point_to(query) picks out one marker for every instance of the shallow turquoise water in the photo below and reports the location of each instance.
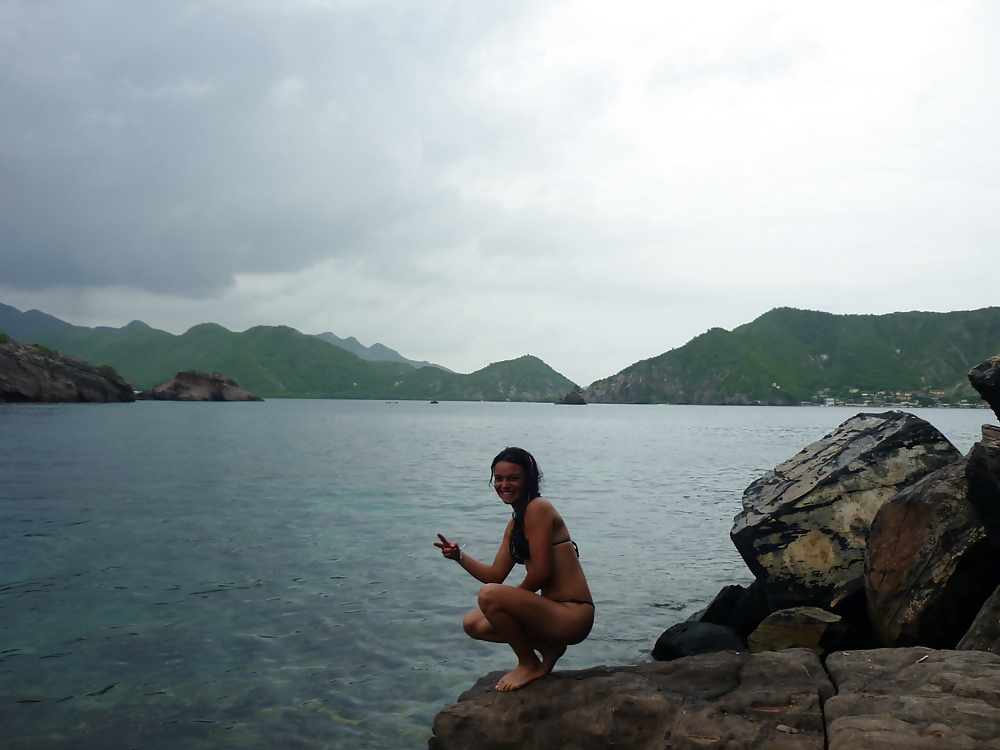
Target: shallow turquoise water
(262, 575)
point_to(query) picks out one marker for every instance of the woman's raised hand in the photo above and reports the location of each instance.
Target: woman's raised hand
(451, 550)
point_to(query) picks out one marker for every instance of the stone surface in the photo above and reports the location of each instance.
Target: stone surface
(929, 566)
(899, 699)
(199, 386)
(984, 634)
(796, 627)
(693, 638)
(983, 478)
(741, 609)
(804, 525)
(36, 374)
(724, 700)
(985, 378)
(573, 398)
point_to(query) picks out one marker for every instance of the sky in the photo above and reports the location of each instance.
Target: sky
(592, 183)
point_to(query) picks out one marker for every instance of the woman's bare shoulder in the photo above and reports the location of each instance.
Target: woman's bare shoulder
(540, 507)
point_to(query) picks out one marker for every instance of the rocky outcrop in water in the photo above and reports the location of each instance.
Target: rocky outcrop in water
(36, 374)
(199, 386)
(929, 566)
(804, 525)
(573, 398)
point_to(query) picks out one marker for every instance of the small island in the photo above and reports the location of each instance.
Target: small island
(193, 385)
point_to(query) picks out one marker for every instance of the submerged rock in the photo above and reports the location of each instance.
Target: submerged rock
(37, 374)
(900, 699)
(741, 609)
(929, 566)
(693, 638)
(804, 525)
(199, 386)
(722, 700)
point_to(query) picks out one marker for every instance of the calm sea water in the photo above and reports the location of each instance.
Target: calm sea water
(263, 575)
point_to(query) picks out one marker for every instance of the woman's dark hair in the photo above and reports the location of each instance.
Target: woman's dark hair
(519, 549)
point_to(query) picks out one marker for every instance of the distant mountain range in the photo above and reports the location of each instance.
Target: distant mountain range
(785, 356)
(277, 361)
(789, 356)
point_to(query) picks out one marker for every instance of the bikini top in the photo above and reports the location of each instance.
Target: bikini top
(564, 541)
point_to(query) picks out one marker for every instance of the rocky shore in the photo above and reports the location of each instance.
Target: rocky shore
(873, 620)
(34, 374)
(198, 386)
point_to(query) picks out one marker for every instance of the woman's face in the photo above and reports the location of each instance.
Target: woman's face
(508, 481)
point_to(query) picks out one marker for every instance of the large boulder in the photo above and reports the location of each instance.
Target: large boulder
(795, 627)
(985, 378)
(984, 634)
(37, 374)
(693, 638)
(983, 477)
(199, 386)
(804, 525)
(722, 700)
(738, 608)
(914, 698)
(929, 566)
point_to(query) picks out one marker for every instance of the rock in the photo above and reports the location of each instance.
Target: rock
(738, 608)
(984, 635)
(804, 525)
(693, 638)
(929, 566)
(722, 700)
(574, 397)
(985, 378)
(901, 699)
(983, 478)
(199, 386)
(37, 374)
(796, 627)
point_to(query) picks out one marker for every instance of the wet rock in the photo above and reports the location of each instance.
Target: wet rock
(738, 608)
(900, 699)
(929, 566)
(984, 635)
(574, 398)
(796, 627)
(804, 525)
(718, 700)
(199, 386)
(983, 477)
(985, 378)
(693, 638)
(37, 374)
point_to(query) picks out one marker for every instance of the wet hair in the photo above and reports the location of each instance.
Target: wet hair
(519, 549)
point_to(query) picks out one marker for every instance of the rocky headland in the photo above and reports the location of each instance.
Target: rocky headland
(198, 386)
(873, 620)
(35, 374)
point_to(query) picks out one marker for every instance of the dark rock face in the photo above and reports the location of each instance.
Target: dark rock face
(985, 378)
(738, 608)
(796, 627)
(34, 374)
(693, 638)
(984, 635)
(574, 398)
(199, 386)
(983, 478)
(804, 525)
(901, 699)
(723, 700)
(929, 566)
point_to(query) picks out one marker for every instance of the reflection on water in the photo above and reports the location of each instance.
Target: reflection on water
(262, 575)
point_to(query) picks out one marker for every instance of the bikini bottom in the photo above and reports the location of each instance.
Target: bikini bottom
(574, 601)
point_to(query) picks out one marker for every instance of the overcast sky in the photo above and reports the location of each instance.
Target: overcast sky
(590, 182)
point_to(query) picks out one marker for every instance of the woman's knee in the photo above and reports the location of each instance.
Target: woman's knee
(476, 625)
(489, 595)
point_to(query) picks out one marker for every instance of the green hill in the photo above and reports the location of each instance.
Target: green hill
(277, 361)
(787, 356)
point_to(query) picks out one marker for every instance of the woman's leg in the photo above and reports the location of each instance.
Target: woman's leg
(528, 621)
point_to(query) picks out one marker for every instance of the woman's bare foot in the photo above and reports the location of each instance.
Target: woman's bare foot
(521, 676)
(550, 655)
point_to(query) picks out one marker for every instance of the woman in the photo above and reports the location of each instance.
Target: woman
(537, 537)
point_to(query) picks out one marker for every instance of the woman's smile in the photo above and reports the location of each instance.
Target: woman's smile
(508, 481)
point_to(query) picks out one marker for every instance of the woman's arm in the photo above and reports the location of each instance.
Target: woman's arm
(503, 563)
(538, 520)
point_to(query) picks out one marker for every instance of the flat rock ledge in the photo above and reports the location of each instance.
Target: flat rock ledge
(890, 699)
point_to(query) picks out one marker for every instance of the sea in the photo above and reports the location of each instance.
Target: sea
(263, 575)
